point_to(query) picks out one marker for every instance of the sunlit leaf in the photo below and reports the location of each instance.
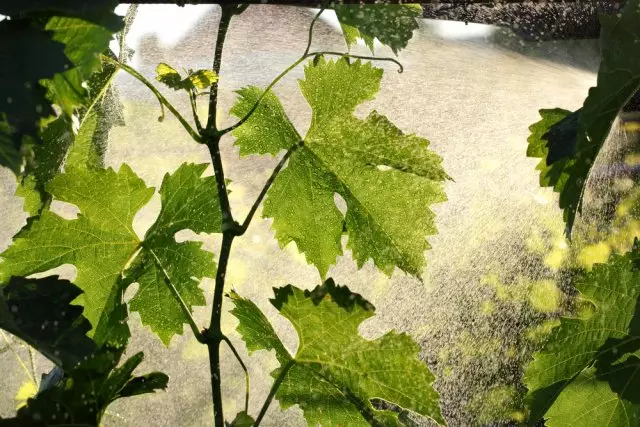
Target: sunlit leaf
(387, 179)
(594, 357)
(189, 202)
(335, 373)
(268, 130)
(200, 79)
(391, 24)
(101, 244)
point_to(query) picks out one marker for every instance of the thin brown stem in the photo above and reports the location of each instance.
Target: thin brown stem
(223, 27)
(213, 335)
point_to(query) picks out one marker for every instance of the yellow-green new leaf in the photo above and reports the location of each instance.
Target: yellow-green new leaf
(199, 79)
(335, 373)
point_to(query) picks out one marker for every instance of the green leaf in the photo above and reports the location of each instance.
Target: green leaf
(604, 340)
(167, 75)
(101, 244)
(242, 420)
(87, 390)
(39, 312)
(60, 56)
(103, 112)
(590, 402)
(28, 54)
(268, 130)
(387, 178)
(391, 24)
(84, 42)
(618, 81)
(28, 191)
(188, 202)
(48, 157)
(335, 373)
(10, 148)
(200, 79)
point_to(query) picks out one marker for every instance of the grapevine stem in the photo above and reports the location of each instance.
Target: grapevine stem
(212, 137)
(161, 99)
(185, 309)
(244, 368)
(267, 185)
(274, 388)
(223, 27)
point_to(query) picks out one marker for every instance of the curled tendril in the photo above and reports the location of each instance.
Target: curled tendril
(369, 58)
(162, 116)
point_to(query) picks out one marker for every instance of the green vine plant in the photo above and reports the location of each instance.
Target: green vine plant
(57, 107)
(56, 117)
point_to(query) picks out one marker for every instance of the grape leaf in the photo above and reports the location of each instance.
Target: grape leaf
(84, 42)
(10, 155)
(60, 55)
(242, 420)
(618, 81)
(27, 190)
(268, 129)
(39, 312)
(606, 340)
(387, 178)
(59, 144)
(391, 24)
(199, 79)
(102, 113)
(589, 401)
(335, 372)
(27, 54)
(101, 244)
(87, 390)
(188, 202)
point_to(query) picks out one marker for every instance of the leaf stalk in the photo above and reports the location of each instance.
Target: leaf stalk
(267, 185)
(161, 99)
(274, 388)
